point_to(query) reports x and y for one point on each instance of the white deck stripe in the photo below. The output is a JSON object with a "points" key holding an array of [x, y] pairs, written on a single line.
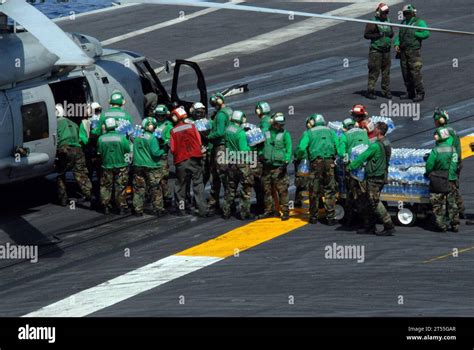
{"points": [[123, 287], [84, 14], [288, 33], [163, 25]]}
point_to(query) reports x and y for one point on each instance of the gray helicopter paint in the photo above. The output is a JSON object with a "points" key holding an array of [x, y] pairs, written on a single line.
{"points": [[20, 64]]}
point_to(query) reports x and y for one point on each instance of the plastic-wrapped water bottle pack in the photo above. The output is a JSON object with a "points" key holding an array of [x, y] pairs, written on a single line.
{"points": [[137, 131], [158, 133], [255, 136], [203, 125], [408, 157], [94, 121], [337, 127], [124, 127], [356, 151]]}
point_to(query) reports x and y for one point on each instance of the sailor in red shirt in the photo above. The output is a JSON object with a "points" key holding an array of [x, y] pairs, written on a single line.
{"points": [[360, 115], [186, 148]]}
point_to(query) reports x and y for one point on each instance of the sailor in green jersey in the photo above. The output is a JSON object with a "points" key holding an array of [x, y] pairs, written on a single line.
{"points": [[319, 146], [162, 114], [443, 161], [70, 157], [146, 169], [220, 120], [89, 139], [380, 37], [263, 112], [352, 136], [276, 157], [238, 155], [116, 111], [377, 157], [408, 47], [114, 150], [301, 182], [441, 119]]}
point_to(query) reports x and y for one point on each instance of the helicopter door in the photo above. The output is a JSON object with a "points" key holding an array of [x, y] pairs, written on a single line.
{"points": [[189, 85], [34, 124]]}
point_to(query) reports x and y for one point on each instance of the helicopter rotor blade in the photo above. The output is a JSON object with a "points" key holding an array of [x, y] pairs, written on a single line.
{"points": [[47, 32], [227, 6]]}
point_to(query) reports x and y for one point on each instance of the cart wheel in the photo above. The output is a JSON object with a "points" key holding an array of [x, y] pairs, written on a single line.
{"points": [[340, 212], [406, 217]]}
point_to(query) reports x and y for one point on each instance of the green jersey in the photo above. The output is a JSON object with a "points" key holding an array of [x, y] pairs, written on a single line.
{"points": [[350, 139], [146, 151], [443, 157], [376, 157], [318, 142], [410, 39], [114, 112], [114, 149], [277, 147], [68, 133], [236, 139], [219, 123]]}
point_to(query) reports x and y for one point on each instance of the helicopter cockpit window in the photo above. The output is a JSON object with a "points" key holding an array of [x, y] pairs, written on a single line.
{"points": [[35, 121]]}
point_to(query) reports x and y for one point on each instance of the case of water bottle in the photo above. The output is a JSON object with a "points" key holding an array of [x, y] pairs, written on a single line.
{"points": [[94, 122], [124, 127], [254, 134], [357, 151], [203, 125], [391, 125]]}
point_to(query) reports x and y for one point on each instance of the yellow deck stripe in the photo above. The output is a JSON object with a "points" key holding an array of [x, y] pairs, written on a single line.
{"points": [[448, 255], [246, 237], [466, 151]]}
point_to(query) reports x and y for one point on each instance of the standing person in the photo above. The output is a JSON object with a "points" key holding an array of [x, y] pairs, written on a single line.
{"points": [[319, 145], [277, 155], [377, 157], [441, 119], [408, 47], [89, 139], [186, 147], [116, 111], [163, 127], [361, 116], [70, 157], [220, 120], [114, 150], [239, 173], [301, 182], [147, 172], [352, 136], [380, 37], [441, 168], [263, 112]]}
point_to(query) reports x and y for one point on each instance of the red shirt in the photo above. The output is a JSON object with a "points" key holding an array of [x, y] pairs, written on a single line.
{"points": [[185, 142]]}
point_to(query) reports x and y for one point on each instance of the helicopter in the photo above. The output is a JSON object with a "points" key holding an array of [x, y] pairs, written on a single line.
{"points": [[44, 66]]}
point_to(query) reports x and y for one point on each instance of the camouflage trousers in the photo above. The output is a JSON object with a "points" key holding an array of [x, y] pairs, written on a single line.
{"points": [[322, 182], [353, 197], [371, 206], [457, 192], [238, 174], [218, 176], [445, 208], [257, 174], [301, 184], [114, 178], [379, 62], [72, 159], [411, 64], [165, 188], [147, 180], [276, 180]]}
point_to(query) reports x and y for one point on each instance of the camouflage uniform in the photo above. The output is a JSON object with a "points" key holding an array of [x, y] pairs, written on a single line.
{"points": [[238, 174], [147, 179], [165, 190], [443, 203], [371, 206], [109, 178], [276, 180], [72, 159], [322, 182]]}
